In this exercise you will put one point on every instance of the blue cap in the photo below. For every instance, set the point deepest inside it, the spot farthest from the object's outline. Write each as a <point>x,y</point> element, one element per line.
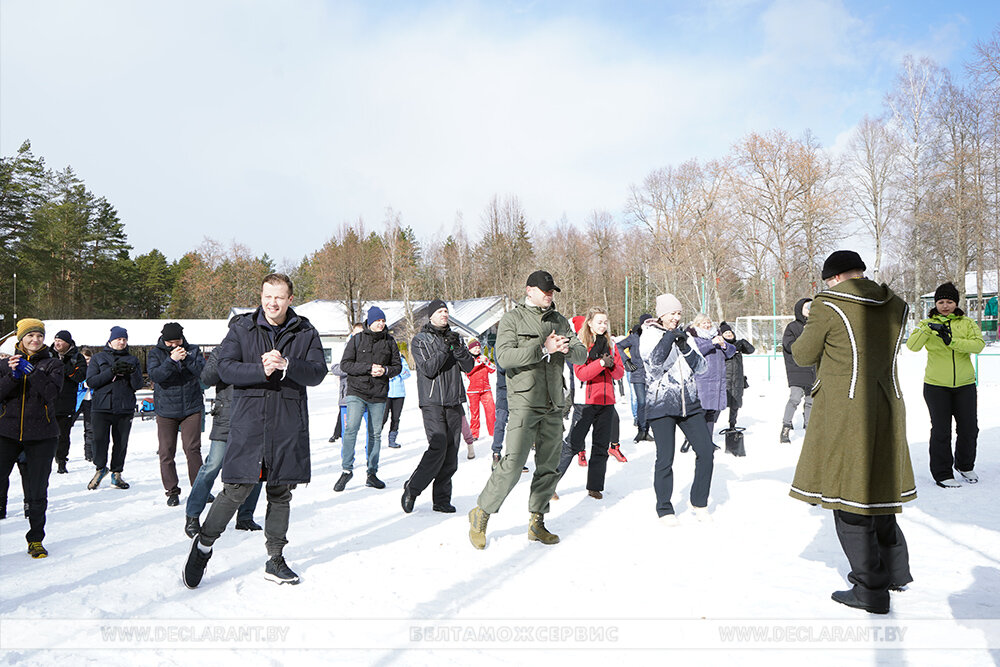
<point>374,314</point>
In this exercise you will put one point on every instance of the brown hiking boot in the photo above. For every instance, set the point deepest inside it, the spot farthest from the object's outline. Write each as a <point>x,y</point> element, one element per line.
<point>537,531</point>
<point>477,527</point>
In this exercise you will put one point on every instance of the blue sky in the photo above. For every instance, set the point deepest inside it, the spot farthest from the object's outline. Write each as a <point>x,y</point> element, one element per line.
<point>273,123</point>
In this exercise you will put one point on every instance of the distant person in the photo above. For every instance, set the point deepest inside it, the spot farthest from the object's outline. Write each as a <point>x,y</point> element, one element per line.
<point>439,357</point>
<point>74,372</point>
<point>800,378</point>
<point>394,402</point>
<point>628,347</point>
<point>174,366</point>
<point>30,382</point>
<point>270,357</point>
<point>85,404</point>
<point>479,392</point>
<point>370,359</point>
<point>858,464</point>
<point>951,339</point>
<point>114,375</point>
<point>533,342</point>
<point>736,380</point>
<point>712,383</point>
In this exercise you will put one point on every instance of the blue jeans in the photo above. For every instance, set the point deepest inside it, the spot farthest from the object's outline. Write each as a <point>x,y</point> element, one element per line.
<point>639,403</point>
<point>202,486</point>
<point>356,407</point>
<point>501,421</point>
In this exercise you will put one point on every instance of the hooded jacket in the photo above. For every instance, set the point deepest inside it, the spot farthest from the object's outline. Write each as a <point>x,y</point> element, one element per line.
<point>269,425</point>
<point>671,389</point>
<point>439,368</point>
<point>369,347</point>
<point>74,372</point>
<point>855,456</point>
<point>798,376</point>
<point>109,392</point>
<point>177,391</point>
<point>28,403</point>
<point>948,365</point>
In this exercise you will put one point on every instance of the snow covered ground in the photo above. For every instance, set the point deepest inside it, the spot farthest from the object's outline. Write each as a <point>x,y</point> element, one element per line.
<point>382,587</point>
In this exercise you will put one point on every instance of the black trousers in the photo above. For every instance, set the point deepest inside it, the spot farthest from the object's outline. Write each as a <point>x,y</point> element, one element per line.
<point>65,427</point>
<point>876,549</point>
<point>693,426</point>
<point>393,408</point>
<point>601,418</point>
<point>443,426</point>
<point>38,455</point>
<point>107,427</point>
<point>945,404</point>
<point>226,504</point>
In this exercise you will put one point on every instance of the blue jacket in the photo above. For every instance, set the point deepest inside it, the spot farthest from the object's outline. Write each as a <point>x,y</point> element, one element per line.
<point>631,343</point>
<point>177,391</point>
<point>110,392</point>
<point>396,388</point>
<point>269,423</point>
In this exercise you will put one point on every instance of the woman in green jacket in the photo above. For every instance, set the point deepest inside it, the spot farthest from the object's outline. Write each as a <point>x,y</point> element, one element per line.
<point>951,339</point>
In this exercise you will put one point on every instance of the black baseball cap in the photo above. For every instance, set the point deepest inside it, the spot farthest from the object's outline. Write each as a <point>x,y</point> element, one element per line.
<point>543,281</point>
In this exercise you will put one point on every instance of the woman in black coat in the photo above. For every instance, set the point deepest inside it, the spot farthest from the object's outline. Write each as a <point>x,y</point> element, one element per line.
<point>30,382</point>
<point>736,380</point>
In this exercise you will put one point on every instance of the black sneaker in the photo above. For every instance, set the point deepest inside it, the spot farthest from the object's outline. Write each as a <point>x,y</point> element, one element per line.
<point>191,526</point>
<point>277,570</point>
<point>407,500</point>
<point>345,477</point>
<point>247,524</point>
<point>374,481</point>
<point>173,500</point>
<point>447,508</point>
<point>95,481</point>
<point>194,568</point>
<point>62,468</point>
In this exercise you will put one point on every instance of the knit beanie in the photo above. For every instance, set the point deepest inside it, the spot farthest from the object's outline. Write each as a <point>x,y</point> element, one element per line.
<point>724,327</point>
<point>577,323</point>
<point>946,291</point>
<point>667,303</point>
<point>841,261</point>
<point>118,332</point>
<point>473,342</point>
<point>29,325</point>
<point>644,317</point>
<point>374,315</point>
<point>436,305</point>
<point>65,336</point>
<point>172,331</point>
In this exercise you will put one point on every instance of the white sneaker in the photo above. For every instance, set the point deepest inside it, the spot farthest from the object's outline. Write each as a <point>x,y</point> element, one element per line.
<point>949,484</point>
<point>971,477</point>
<point>670,520</point>
<point>701,514</point>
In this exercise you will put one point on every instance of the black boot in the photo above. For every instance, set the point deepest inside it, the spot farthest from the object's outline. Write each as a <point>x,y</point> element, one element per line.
<point>247,524</point>
<point>191,526</point>
<point>345,477</point>
<point>407,500</point>
<point>374,481</point>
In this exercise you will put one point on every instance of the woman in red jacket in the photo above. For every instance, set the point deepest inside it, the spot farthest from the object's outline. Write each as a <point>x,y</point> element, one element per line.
<point>479,389</point>
<point>603,367</point>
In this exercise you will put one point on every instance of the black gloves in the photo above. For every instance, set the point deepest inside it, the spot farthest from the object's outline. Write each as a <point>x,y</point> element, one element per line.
<point>942,330</point>
<point>452,339</point>
<point>122,367</point>
<point>680,339</point>
<point>607,361</point>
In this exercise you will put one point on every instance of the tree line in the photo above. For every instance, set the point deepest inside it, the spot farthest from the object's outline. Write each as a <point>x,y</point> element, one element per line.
<point>730,236</point>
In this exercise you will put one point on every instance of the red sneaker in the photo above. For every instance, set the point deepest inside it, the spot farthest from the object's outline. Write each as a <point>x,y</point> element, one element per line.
<point>615,451</point>
<point>582,458</point>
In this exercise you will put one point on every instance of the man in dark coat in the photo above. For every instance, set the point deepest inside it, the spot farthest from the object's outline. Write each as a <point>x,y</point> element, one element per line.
<point>30,381</point>
<point>269,356</point>
<point>800,378</point>
<point>440,357</point>
<point>370,359</point>
<point>74,372</point>
<point>175,367</point>
<point>628,347</point>
<point>855,460</point>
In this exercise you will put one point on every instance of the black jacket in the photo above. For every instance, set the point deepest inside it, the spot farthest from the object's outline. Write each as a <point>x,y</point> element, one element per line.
<point>363,350</point>
<point>222,404</point>
<point>735,378</point>
<point>439,368</point>
<point>111,392</point>
<point>74,372</point>
<point>798,376</point>
<point>28,403</point>
<point>269,423</point>
<point>177,389</point>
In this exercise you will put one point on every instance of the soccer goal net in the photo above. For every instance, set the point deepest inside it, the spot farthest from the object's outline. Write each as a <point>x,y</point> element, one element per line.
<point>763,331</point>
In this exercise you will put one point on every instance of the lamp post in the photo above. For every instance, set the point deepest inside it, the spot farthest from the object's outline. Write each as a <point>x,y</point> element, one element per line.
<point>15,298</point>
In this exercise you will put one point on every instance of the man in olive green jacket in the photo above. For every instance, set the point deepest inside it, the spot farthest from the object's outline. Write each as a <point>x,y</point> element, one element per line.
<point>533,343</point>
<point>855,458</point>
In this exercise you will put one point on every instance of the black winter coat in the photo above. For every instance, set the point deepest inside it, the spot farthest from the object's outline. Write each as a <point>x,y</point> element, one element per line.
<point>735,378</point>
<point>439,368</point>
<point>109,392</point>
<point>631,343</point>
<point>28,403</point>
<point>798,376</point>
<point>74,372</point>
<point>363,350</point>
<point>269,423</point>
<point>222,404</point>
<point>177,391</point>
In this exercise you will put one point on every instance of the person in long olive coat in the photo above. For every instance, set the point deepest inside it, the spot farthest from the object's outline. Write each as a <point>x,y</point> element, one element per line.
<point>855,459</point>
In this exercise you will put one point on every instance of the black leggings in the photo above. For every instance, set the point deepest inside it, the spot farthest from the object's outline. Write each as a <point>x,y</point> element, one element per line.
<point>394,406</point>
